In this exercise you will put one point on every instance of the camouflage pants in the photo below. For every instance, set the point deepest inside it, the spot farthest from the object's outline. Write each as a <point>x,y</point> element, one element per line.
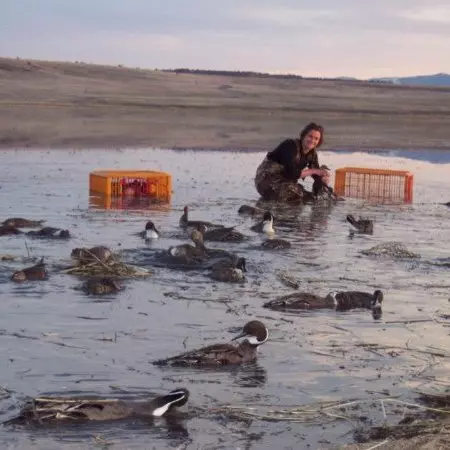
<point>272,184</point>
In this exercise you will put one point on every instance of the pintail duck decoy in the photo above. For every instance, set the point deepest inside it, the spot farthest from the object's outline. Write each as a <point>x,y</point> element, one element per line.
<point>266,225</point>
<point>229,270</point>
<point>7,230</point>
<point>33,273</point>
<point>223,354</point>
<point>150,232</point>
<point>223,234</point>
<point>250,210</point>
<point>362,225</point>
<point>19,222</point>
<point>50,233</point>
<point>275,244</point>
<point>340,301</point>
<point>51,409</point>
<point>188,250</point>
<point>92,254</point>
<point>101,286</point>
<point>186,223</point>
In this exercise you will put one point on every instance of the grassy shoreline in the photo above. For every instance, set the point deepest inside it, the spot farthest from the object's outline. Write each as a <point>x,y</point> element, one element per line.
<point>46,104</point>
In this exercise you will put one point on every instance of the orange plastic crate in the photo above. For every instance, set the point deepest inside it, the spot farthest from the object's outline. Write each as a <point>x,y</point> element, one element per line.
<point>374,184</point>
<point>119,183</point>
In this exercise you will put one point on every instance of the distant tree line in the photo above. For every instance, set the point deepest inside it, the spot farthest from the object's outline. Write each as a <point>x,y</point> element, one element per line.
<point>248,73</point>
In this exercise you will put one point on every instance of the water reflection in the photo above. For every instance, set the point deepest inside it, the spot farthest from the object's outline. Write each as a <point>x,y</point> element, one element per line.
<point>55,338</point>
<point>250,375</point>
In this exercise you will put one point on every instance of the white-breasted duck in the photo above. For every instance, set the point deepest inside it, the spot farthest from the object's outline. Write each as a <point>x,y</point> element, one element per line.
<point>223,234</point>
<point>186,223</point>
<point>51,409</point>
<point>340,301</point>
<point>150,232</point>
<point>19,222</point>
<point>217,355</point>
<point>364,226</point>
<point>228,270</point>
<point>50,233</point>
<point>265,225</point>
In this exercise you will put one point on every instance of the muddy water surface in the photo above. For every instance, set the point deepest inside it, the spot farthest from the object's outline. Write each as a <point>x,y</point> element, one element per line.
<point>54,339</point>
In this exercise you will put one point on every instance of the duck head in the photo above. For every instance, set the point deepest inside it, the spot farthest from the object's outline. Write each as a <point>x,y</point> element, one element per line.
<point>150,231</point>
<point>19,276</point>
<point>197,238</point>
<point>267,223</point>
<point>255,331</point>
<point>177,397</point>
<point>202,228</point>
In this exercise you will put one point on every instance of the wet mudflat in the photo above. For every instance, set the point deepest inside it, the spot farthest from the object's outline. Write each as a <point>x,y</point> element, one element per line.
<point>55,339</point>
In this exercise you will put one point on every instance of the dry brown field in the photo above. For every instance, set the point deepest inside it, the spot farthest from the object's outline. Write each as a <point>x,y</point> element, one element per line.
<point>47,104</point>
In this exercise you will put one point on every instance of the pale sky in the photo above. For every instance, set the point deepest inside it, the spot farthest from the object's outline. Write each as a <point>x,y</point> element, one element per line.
<point>324,38</point>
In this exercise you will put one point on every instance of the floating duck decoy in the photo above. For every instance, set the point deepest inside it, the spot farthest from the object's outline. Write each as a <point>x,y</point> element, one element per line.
<point>266,225</point>
<point>7,230</point>
<point>33,273</point>
<point>223,354</point>
<point>250,210</point>
<point>19,222</point>
<point>101,286</point>
<point>92,254</point>
<point>224,234</point>
<point>50,233</point>
<point>150,231</point>
<point>228,270</point>
<point>340,301</point>
<point>44,410</point>
<point>275,244</point>
<point>186,223</point>
<point>188,250</point>
<point>362,225</point>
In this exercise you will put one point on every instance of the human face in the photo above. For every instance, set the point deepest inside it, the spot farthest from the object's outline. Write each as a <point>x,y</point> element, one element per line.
<point>311,140</point>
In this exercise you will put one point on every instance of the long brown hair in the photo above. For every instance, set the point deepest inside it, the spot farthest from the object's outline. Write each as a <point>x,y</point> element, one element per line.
<point>312,127</point>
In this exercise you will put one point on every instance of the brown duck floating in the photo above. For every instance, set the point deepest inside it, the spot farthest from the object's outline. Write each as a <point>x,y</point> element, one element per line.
<point>33,273</point>
<point>189,251</point>
<point>223,234</point>
<point>50,233</point>
<point>340,301</point>
<point>19,222</point>
<point>92,254</point>
<point>364,226</point>
<point>230,270</point>
<point>8,230</point>
<point>275,244</point>
<point>223,354</point>
<point>101,286</point>
<point>250,210</point>
<point>44,410</point>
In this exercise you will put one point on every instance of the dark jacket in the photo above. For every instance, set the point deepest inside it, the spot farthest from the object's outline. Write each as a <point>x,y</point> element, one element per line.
<point>286,155</point>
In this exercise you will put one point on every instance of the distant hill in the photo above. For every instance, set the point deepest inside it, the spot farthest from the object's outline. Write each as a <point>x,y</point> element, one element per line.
<point>439,79</point>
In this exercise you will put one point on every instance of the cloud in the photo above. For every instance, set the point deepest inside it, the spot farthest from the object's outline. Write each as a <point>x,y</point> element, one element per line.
<point>321,38</point>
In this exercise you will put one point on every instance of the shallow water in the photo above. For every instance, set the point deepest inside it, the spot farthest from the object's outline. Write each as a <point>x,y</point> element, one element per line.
<point>54,339</point>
